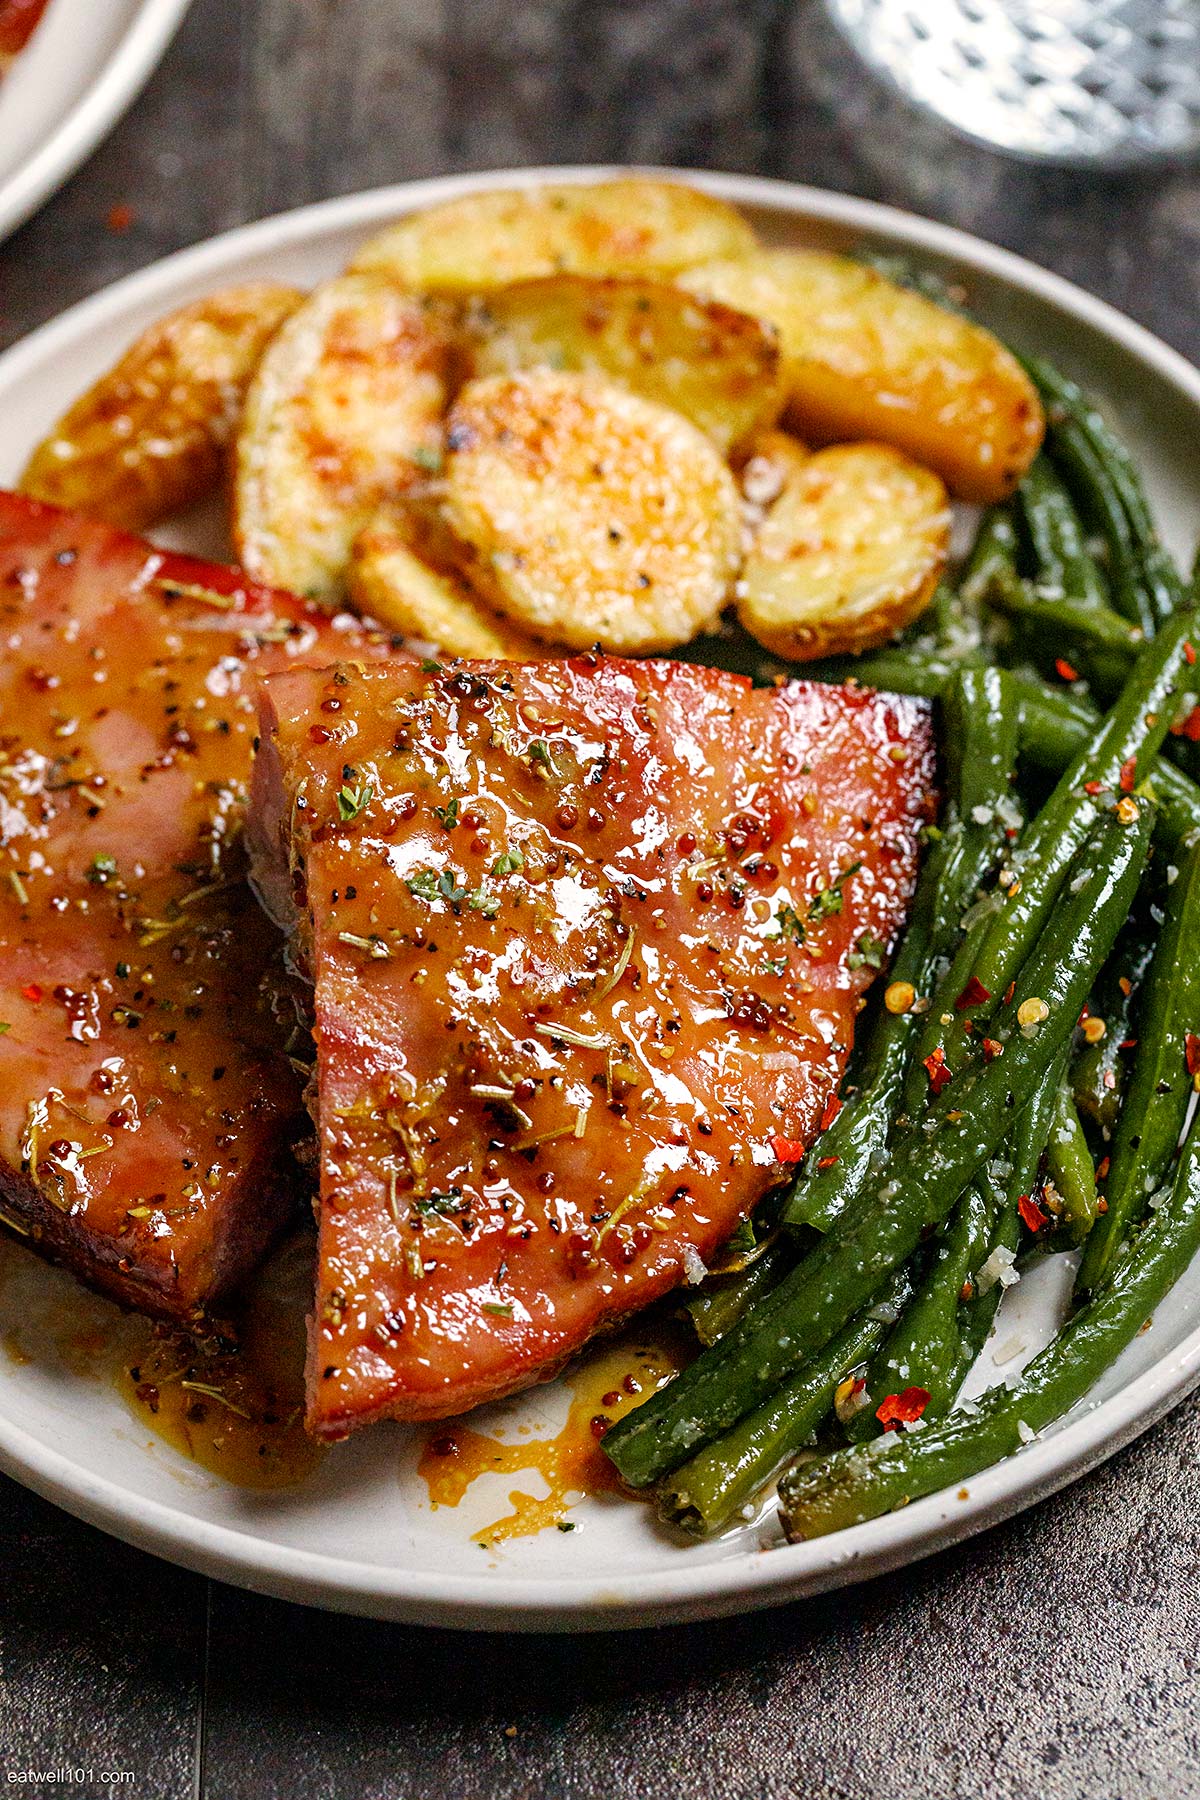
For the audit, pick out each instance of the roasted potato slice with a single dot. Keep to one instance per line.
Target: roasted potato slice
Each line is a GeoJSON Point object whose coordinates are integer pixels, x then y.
{"type": "Point", "coordinates": [589, 514]}
{"type": "Point", "coordinates": [633, 226]}
{"type": "Point", "coordinates": [850, 551]}
{"type": "Point", "coordinates": [151, 435]}
{"type": "Point", "coordinates": [717, 366]}
{"type": "Point", "coordinates": [343, 415]}
{"type": "Point", "coordinates": [389, 582]}
{"type": "Point", "coordinates": [864, 358]}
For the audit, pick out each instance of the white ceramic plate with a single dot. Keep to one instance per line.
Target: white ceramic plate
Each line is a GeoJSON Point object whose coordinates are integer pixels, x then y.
{"type": "Point", "coordinates": [79, 72]}
{"type": "Point", "coordinates": [360, 1535]}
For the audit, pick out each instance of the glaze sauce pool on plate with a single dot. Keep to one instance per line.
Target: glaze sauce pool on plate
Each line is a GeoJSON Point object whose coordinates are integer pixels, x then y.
{"type": "Point", "coordinates": [611, 1379]}
{"type": "Point", "coordinates": [235, 1404]}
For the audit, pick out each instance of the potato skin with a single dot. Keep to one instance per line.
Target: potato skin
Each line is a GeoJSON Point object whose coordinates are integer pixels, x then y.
{"type": "Point", "coordinates": [719, 367]}
{"type": "Point", "coordinates": [632, 226]}
{"type": "Point", "coordinates": [864, 358]}
{"type": "Point", "coordinates": [343, 415]}
{"type": "Point", "coordinates": [151, 436]}
{"type": "Point", "coordinates": [588, 514]}
{"type": "Point", "coordinates": [849, 552]}
{"type": "Point", "coordinates": [389, 582]}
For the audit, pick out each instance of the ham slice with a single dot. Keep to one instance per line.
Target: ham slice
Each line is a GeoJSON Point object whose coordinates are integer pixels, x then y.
{"type": "Point", "coordinates": [146, 1098]}
{"type": "Point", "coordinates": [587, 941]}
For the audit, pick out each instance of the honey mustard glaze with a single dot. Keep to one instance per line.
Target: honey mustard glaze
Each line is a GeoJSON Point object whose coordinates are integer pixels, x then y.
{"type": "Point", "coordinates": [615, 1376]}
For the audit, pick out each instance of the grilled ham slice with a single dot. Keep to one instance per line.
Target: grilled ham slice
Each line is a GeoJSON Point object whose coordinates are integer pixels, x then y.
{"type": "Point", "coordinates": [146, 1101]}
{"type": "Point", "coordinates": [588, 938]}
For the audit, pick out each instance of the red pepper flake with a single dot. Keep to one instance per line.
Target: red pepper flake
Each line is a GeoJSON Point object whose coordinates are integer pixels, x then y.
{"type": "Point", "coordinates": [974, 994]}
{"type": "Point", "coordinates": [827, 1162]}
{"type": "Point", "coordinates": [787, 1150]}
{"type": "Point", "coordinates": [1127, 1044]}
{"type": "Point", "coordinates": [935, 1067]}
{"type": "Point", "coordinates": [1191, 1052]}
{"type": "Point", "coordinates": [1189, 653]}
{"type": "Point", "coordinates": [1189, 728]}
{"type": "Point", "coordinates": [1103, 1168]}
{"type": "Point", "coordinates": [991, 1049]}
{"type": "Point", "coordinates": [833, 1107]}
{"type": "Point", "coordinates": [32, 991]}
{"type": "Point", "coordinates": [902, 1409]}
{"type": "Point", "coordinates": [1093, 788]}
{"type": "Point", "coordinates": [120, 218]}
{"type": "Point", "coordinates": [1065, 670]}
{"type": "Point", "coordinates": [1128, 775]}
{"type": "Point", "coordinates": [1009, 991]}
{"type": "Point", "coordinates": [1032, 1216]}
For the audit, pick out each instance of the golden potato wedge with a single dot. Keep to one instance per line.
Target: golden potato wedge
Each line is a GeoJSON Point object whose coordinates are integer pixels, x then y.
{"type": "Point", "coordinates": [151, 435]}
{"type": "Point", "coordinates": [849, 552]}
{"type": "Point", "coordinates": [343, 415]}
{"type": "Point", "coordinates": [864, 358]}
{"type": "Point", "coordinates": [389, 582]}
{"type": "Point", "coordinates": [634, 226]}
{"type": "Point", "coordinates": [589, 514]}
{"type": "Point", "coordinates": [720, 368]}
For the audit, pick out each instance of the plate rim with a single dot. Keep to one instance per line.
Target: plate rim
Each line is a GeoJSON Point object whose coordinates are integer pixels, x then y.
{"type": "Point", "coordinates": [696, 1590]}
{"type": "Point", "coordinates": [105, 100]}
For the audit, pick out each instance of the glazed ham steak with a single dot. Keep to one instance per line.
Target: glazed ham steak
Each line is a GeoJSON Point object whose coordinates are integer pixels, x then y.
{"type": "Point", "coordinates": [146, 1100]}
{"type": "Point", "coordinates": [587, 938]}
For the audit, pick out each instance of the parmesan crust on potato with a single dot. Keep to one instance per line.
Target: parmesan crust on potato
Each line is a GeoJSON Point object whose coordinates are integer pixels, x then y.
{"type": "Point", "coordinates": [588, 514]}
{"type": "Point", "coordinates": [151, 436]}
{"type": "Point", "coordinates": [849, 551]}
{"type": "Point", "coordinates": [343, 416]}
{"type": "Point", "coordinates": [633, 226]}
{"type": "Point", "coordinates": [717, 366]}
{"type": "Point", "coordinates": [389, 582]}
{"type": "Point", "coordinates": [864, 358]}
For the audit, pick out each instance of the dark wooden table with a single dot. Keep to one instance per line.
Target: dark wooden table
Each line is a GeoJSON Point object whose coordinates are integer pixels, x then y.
{"type": "Point", "coordinates": [1055, 1658]}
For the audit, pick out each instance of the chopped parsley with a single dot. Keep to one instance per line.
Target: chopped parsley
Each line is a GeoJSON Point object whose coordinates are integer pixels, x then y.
{"type": "Point", "coordinates": [428, 885]}
{"type": "Point", "coordinates": [787, 923]}
{"type": "Point", "coordinates": [4, 1026]}
{"type": "Point", "coordinates": [430, 667]}
{"type": "Point", "coordinates": [539, 752]}
{"type": "Point", "coordinates": [480, 901]}
{"type": "Point", "coordinates": [448, 814]}
{"type": "Point", "coordinates": [827, 901]}
{"type": "Point", "coordinates": [102, 869]}
{"type": "Point", "coordinates": [444, 1201]}
{"type": "Point", "coordinates": [352, 802]}
{"type": "Point", "coordinates": [508, 863]}
{"type": "Point", "coordinates": [429, 458]}
{"type": "Point", "coordinates": [500, 1309]}
{"type": "Point", "coordinates": [869, 950]}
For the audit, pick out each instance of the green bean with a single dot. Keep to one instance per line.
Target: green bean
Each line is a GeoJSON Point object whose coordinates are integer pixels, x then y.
{"type": "Point", "coordinates": [1066, 568]}
{"type": "Point", "coordinates": [719, 1304]}
{"type": "Point", "coordinates": [1024, 1151]}
{"type": "Point", "coordinates": [929, 1169]}
{"type": "Point", "coordinates": [1060, 626]}
{"type": "Point", "coordinates": [714, 1486]}
{"type": "Point", "coordinates": [1127, 742]}
{"type": "Point", "coordinates": [1098, 1071]}
{"type": "Point", "coordinates": [862, 1483]}
{"type": "Point", "coordinates": [1071, 1168]}
{"type": "Point", "coordinates": [994, 551]}
{"type": "Point", "coordinates": [1146, 584]}
{"type": "Point", "coordinates": [981, 738]}
{"type": "Point", "coordinates": [1160, 1084]}
{"type": "Point", "coordinates": [991, 953]}
{"type": "Point", "coordinates": [925, 1347]}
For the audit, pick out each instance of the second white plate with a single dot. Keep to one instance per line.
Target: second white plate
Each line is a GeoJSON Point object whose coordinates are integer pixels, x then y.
{"type": "Point", "coordinates": [79, 72]}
